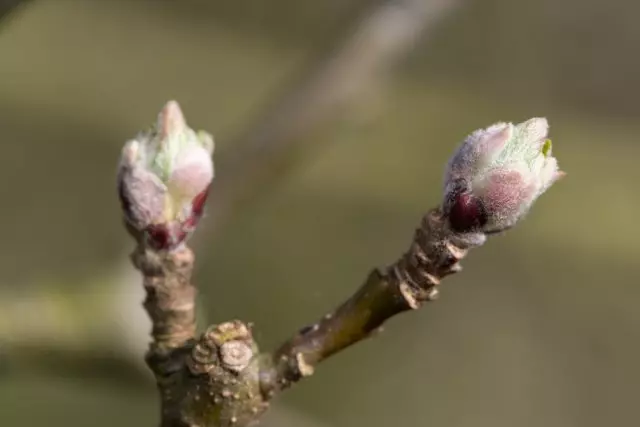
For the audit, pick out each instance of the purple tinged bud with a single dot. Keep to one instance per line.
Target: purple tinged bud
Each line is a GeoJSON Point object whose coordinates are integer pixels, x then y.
{"type": "Point", "coordinates": [496, 175]}
{"type": "Point", "coordinates": [164, 178]}
{"type": "Point", "coordinates": [467, 213]}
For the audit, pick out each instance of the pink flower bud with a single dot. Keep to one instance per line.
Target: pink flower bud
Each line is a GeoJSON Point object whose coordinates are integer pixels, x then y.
{"type": "Point", "coordinates": [164, 178]}
{"type": "Point", "coordinates": [496, 175]}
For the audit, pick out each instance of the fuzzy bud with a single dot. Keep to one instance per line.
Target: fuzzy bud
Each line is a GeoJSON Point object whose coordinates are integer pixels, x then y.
{"type": "Point", "coordinates": [163, 179]}
{"type": "Point", "coordinates": [496, 174]}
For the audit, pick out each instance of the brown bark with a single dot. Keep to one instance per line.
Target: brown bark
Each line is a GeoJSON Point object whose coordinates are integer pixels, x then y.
{"type": "Point", "coordinates": [220, 379]}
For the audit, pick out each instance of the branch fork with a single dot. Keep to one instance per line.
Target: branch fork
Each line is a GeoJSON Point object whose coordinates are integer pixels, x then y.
{"type": "Point", "coordinates": [221, 378]}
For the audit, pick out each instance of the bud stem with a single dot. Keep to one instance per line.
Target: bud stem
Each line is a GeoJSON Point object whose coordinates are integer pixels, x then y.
{"type": "Point", "coordinates": [414, 279]}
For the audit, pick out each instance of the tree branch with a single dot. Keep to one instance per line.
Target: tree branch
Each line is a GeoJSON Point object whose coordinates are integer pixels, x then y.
{"type": "Point", "coordinates": [405, 285]}
{"type": "Point", "coordinates": [170, 300]}
{"type": "Point", "coordinates": [222, 380]}
{"type": "Point", "coordinates": [209, 382]}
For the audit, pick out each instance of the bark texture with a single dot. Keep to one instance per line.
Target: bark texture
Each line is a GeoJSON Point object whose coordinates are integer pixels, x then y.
{"type": "Point", "coordinates": [221, 379]}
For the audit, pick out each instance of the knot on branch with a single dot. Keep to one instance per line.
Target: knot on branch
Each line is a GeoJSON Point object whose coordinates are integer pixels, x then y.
{"type": "Point", "coordinates": [224, 378]}
{"type": "Point", "coordinates": [235, 355]}
{"type": "Point", "coordinates": [435, 252]}
{"type": "Point", "coordinates": [228, 346]}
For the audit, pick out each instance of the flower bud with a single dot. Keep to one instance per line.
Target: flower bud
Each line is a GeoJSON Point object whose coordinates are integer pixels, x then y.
{"type": "Point", "coordinates": [496, 175]}
{"type": "Point", "coordinates": [163, 179]}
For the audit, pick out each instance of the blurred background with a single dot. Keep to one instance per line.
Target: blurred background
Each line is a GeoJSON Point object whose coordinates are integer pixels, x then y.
{"type": "Point", "coordinates": [333, 121]}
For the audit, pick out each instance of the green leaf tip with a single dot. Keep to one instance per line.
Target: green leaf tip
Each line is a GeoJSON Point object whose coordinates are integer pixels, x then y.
{"type": "Point", "coordinates": [546, 148]}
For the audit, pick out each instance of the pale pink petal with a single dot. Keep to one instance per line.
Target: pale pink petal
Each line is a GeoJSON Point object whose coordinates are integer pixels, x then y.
{"type": "Point", "coordinates": [192, 174]}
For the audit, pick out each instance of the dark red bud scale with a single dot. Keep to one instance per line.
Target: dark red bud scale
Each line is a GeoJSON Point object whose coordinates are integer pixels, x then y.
{"type": "Point", "coordinates": [165, 236]}
{"type": "Point", "coordinates": [467, 213]}
{"type": "Point", "coordinates": [197, 209]}
{"type": "Point", "coordinates": [158, 236]}
{"type": "Point", "coordinates": [197, 206]}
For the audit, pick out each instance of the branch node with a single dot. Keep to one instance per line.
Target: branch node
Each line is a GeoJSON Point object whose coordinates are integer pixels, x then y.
{"type": "Point", "coordinates": [409, 293]}
{"type": "Point", "coordinates": [229, 346]}
{"type": "Point", "coordinates": [235, 355]}
{"type": "Point", "coordinates": [434, 253]}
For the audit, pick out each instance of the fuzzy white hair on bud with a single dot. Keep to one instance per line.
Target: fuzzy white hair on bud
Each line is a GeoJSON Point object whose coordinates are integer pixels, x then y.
{"type": "Point", "coordinates": [164, 177]}
{"type": "Point", "coordinates": [497, 173]}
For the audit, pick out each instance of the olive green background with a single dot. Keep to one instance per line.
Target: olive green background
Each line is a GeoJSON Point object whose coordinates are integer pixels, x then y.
{"type": "Point", "coordinates": [541, 328]}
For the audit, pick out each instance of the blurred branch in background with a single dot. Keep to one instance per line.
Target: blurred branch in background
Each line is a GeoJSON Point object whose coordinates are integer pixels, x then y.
{"type": "Point", "coordinates": [9, 6]}
{"type": "Point", "coordinates": [380, 37]}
